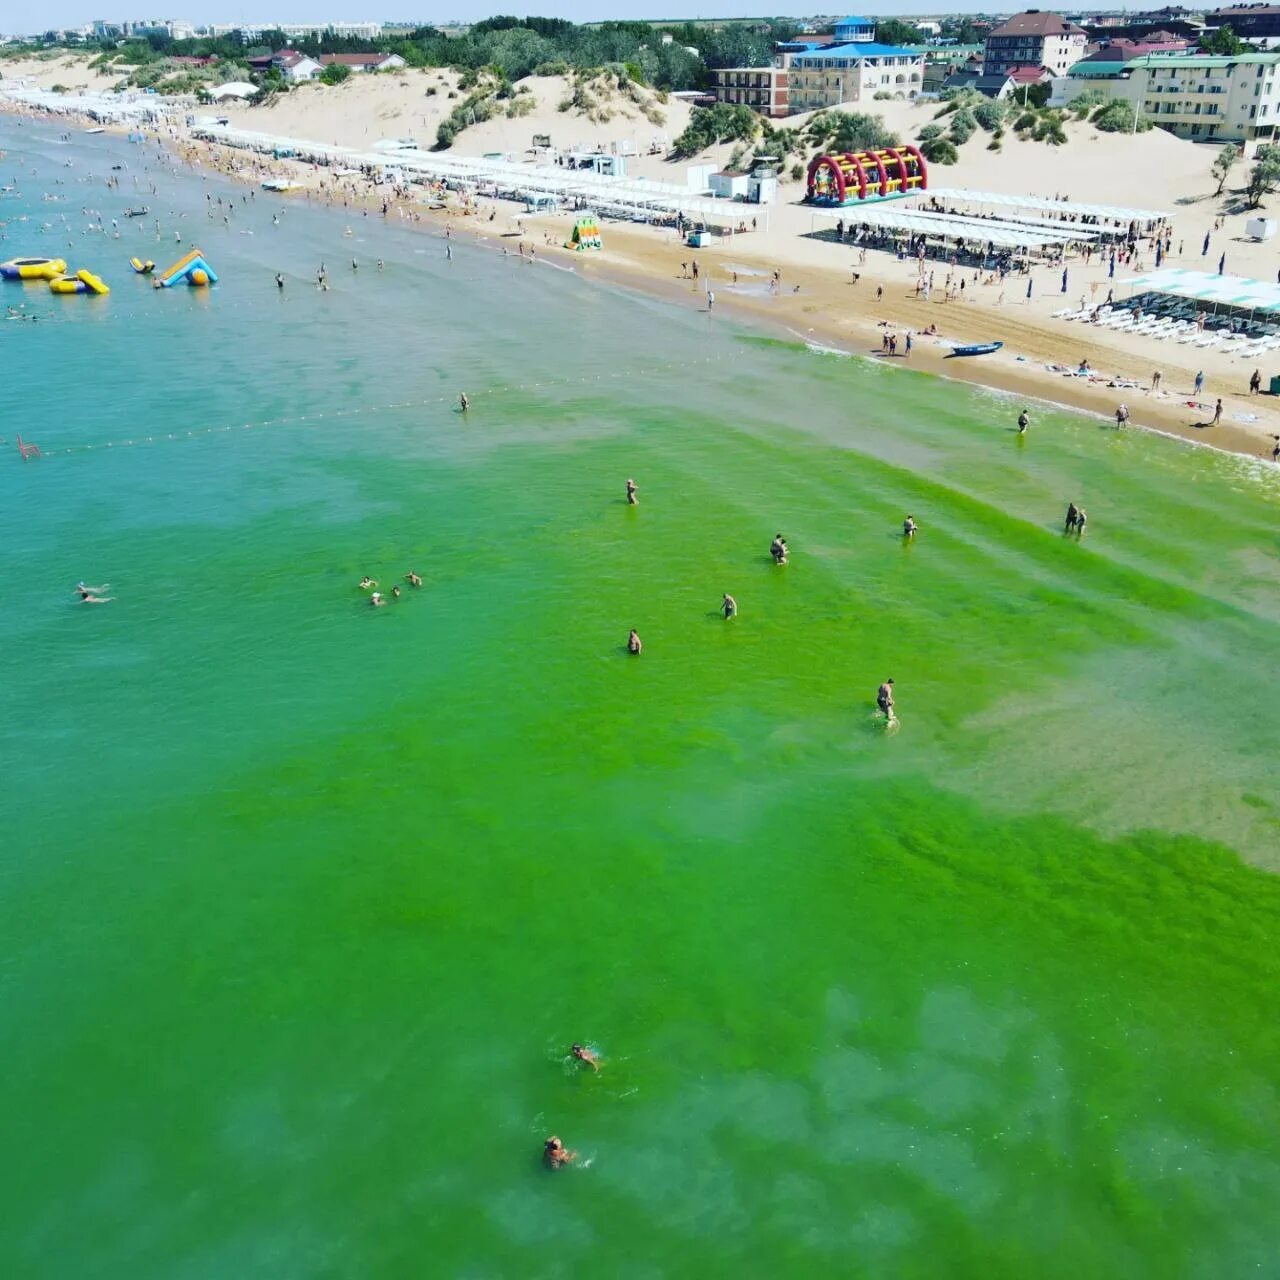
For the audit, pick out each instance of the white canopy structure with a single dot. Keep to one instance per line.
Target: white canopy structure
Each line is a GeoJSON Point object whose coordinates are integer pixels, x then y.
{"type": "Point", "coordinates": [233, 89]}
{"type": "Point", "coordinates": [896, 217]}
{"type": "Point", "coordinates": [628, 197]}
{"type": "Point", "coordinates": [1065, 210]}
{"type": "Point", "coordinates": [122, 107]}
{"type": "Point", "coordinates": [1224, 291]}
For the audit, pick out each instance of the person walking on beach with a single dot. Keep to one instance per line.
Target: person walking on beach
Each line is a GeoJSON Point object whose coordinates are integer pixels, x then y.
{"type": "Point", "coordinates": [1199, 382]}
{"type": "Point", "coordinates": [1081, 520]}
{"type": "Point", "coordinates": [632, 499]}
{"type": "Point", "coordinates": [730, 606]}
{"type": "Point", "coordinates": [711, 300]}
{"type": "Point", "coordinates": [1122, 414]}
{"type": "Point", "coordinates": [1217, 413]}
{"type": "Point", "coordinates": [633, 643]}
{"type": "Point", "coordinates": [907, 346]}
{"type": "Point", "coordinates": [1024, 420]}
{"type": "Point", "coordinates": [1255, 382]}
{"type": "Point", "coordinates": [1072, 512]}
{"type": "Point", "coordinates": [1156, 379]}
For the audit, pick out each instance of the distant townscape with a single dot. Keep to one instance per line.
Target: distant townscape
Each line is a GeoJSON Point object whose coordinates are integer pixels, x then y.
{"type": "Point", "coordinates": [1204, 75]}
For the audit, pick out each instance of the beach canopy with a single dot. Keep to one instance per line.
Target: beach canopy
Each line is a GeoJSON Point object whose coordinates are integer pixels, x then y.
{"type": "Point", "coordinates": [632, 197]}
{"type": "Point", "coordinates": [1042, 204]}
{"type": "Point", "coordinates": [1225, 291]}
{"type": "Point", "coordinates": [234, 89]}
{"type": "Point", "coordinates": [898, 217]}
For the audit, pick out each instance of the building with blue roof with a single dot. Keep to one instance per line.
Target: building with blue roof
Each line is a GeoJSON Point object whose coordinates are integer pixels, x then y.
{"type": "Point", "coordinates": [853, 72]}
{"type": "Point", "coordinates": [855, 30]}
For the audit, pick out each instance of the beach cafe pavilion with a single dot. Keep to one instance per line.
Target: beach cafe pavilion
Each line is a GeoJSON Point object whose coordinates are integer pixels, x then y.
{"type": "Point", "coordinates": [949, 229]}
{"type": "Point", "coordinates": [1106, 219]}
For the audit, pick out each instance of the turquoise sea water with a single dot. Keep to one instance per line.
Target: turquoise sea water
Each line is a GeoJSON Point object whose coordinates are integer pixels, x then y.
{"type": "Point", "coordinates": [303, 902]}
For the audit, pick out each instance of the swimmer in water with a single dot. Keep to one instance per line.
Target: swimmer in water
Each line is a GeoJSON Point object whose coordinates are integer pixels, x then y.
{"type": "Point", "coordinates": [633, 643]}
{"type": "Point", "coordinates": [279, 281]}
{"type": "Point", "coordinates": [778, 549]}
{"type": "Point", "coordinates": [1023, 420]}
{"type": "Point", "coordinates": [377, 600]}
{"type": "Point", "coordinates": [379, 264]}
{"type": "Point", "coordinates": [730, 606]}
{"type": "Point", "coordinates": [909, 527]}
{"type": "Point", "coordinates": [395, 591]}
{"type": "Point", "coordinates": [463, 403]}
{"type": "Point", "coordinates": [87, 596]}
{"type": "Point", "coordinates": [366, 582]}
{"type": "Point", "coordinates": [884, 699]}
{"type": "Point", "coordinates": [412, 579]}
{"type": "Point", "coordinates": [632, 499]}
{"type": "Point", "coordinates": [583, 1054]}
{"type": "Point", "coordinates": [555, 1153]}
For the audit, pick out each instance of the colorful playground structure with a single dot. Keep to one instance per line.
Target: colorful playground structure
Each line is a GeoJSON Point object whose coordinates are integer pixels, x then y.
{"type": "Point", "coordinates": [192, 268]}
{"type": "Point", "coordinates": [81, 282]}
{"type": "Point", "coordinates": [33, 268]}
{"type": "Point", "coordinates": [141, 267]}
{"type": "Point", "coordinates": [586, 234]}
{"type": "Point", "coordinates": [883, 174]}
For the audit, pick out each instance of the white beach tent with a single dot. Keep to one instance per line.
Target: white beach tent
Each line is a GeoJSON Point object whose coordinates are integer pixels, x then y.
{"type": "Point", "coordinates": [233, 89]}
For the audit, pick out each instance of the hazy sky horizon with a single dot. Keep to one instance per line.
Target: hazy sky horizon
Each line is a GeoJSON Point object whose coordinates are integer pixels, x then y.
{"type": "Point", "coordinates": [27, 16]}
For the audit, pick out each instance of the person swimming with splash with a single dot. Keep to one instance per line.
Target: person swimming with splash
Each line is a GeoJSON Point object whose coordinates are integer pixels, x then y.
{"type": "Point", "coordinates": [556, 1154]}
{"type": "Point", "coordinates": [589, 1056]}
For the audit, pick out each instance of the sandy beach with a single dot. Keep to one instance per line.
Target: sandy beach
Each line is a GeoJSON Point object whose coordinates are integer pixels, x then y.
{"type": "Point", "coordinates": [817, 299]}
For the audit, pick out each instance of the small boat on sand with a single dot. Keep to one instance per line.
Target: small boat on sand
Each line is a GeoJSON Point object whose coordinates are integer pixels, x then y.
{"type": "Point", "coordinates": [976, 349]}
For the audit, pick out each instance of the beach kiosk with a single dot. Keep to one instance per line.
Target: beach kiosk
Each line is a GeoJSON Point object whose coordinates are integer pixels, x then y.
{"type": "Point", "coordinates": [585, 234]}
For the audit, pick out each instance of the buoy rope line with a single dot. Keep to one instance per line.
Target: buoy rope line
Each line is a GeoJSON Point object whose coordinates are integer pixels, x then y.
{"type": "Point", "coordinates": [195, 433]}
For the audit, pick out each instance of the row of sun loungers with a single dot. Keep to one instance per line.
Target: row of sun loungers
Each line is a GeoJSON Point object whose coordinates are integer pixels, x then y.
{"type": "Point", "coordinates": [1176, 327]}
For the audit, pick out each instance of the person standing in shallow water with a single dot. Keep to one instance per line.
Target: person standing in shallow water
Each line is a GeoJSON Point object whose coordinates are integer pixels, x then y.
{"type": "Point", "coordinates": [884, 698]}
{"type": "Point", "coordinates": [633, 643]}
{"type": "Point", "coordinates": [1072, 513]}
{"type": "Point", "coordinates": [632, 499]}
{"type": "Point", "coordinates": [778, 549]}
{"type": "Point", "coordinates": [1024, 420]}
{"type": "Point", "coordinates": [730, 606]}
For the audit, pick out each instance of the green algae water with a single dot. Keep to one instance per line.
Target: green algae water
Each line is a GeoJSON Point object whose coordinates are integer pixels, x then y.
{"type": "Point", "coordinates": [303, 901]}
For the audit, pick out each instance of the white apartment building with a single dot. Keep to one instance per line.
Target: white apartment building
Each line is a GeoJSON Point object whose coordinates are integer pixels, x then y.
{"type": "Point", "coordinates": [297, 31]}
{"type": "Point", "coordinates": [1204, 98]}
{"type": "Point", "coordinates": [852, 73]}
